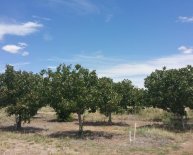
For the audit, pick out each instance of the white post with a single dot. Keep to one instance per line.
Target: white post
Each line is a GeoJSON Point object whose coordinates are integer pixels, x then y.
{"type": "Point", "coordinates": [134, 132]}
{"type": "Point", "coordinates": [130, 140]}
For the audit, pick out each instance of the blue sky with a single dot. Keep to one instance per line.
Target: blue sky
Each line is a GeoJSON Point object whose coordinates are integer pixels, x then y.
{"type": "Point", "coordinates": [121, 39]}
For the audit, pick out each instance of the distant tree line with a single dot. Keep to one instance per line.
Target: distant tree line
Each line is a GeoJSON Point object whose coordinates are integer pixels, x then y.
{"type": "Point", "coordinates": [76, 90]}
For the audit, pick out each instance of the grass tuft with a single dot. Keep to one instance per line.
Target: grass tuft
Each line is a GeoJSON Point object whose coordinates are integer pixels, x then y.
{"type": "Point", "coordinates": [152, 114]}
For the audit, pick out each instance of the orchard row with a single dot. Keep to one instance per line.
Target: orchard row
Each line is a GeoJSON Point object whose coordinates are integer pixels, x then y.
{"type": "Point", "coordinates": [76, 90]}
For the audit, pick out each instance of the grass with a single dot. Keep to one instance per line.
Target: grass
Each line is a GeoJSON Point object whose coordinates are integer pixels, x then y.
{"type": "Point", "coordinates": [158, 133]}
{"type": "Point", "coordinates": [4, 118]}
{"type": "Point", "coordinates": [189, 113]}
{"type": "Point", "coordinates": [153, 114]}
{"type": "Point", "coordinates": [186, 153]}
{"type": "Point", "coordinates": [45, 136]}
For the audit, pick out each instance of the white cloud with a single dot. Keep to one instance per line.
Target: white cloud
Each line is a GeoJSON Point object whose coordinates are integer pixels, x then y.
{"type": "Point", "coordinates": [79, 6]}
{"type": "Point", "coordinates": [185, 50]}
{"type": "Point", "coordinates": [16, 49]}
{"type": "Point", "coordinates": [18, 29]}
{"type": "Point", "coordinates": [52, 67]}
{"type": "Point", "coordinates": [95, 60]}
{"type": "Point", "coordinates": [12, 48]}
{"type": "Point", "coordinates": [125, 70]}
{"type": "Point", "coordinates": [41, 18]}
{"type": "Point", "coordinates": [120, 69]}
{"type": "Point", "coordinates": [19, 64]}
{"type": "Point", "coordinates": [185, 19]}
{"type": "Point", "coordinates": [22, 44]}
{"type": "Point", "coordinates": [25, 53]}
{"type": "Point", "coordinates": [137, 72]}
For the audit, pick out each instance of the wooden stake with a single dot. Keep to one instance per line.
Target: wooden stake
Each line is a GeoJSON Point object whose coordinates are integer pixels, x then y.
{"type": "Point", "coordinates": [130, 139]}
{"type": "Point", "coordinates": [134, 132]}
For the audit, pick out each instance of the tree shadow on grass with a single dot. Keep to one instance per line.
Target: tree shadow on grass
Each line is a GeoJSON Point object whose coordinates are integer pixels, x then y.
{"type": "Point", "coordinates": [103, 123]}
{"type": "Point", "coordinates": [56, 120]}
{"type": "Point", "coordinates": [22, 130]}
{"type": "Point", "coordinates": [87, 134]}
{"type": "Point", "coordinates": [170, 128]}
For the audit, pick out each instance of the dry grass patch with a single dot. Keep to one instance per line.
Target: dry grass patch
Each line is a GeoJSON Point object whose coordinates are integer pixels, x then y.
{"type": "Point", "coordinates": [44, 135]}
{"type": "Point", "coordinates": [152, 114]}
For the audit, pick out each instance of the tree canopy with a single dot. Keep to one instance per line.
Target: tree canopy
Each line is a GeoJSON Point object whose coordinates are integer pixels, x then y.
{"type": "Point", "coordinates": [20, 94]}
{"type": "Point", "coordinates": [109, 99]}
{"type": "Point", "coordinates": [171, 90]}
{"type": "Point", "coordinates": [75, 89]}
{"type": "Point", "coordinates": [71, 90]}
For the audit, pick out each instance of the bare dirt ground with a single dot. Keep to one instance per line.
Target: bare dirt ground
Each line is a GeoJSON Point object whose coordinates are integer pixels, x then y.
{"type": "Point", "coordinates": [45, 136]}
{"type": "Point", "coordinates": [185, 148]}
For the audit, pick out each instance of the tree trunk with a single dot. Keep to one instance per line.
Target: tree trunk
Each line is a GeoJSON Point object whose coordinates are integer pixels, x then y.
{"type": "Point", "coordinates": [182, 121]}
{"type": "Point", "coordinates": [80, 124]}
{"type": "Point", "coordinates": [18, 122]}
{"type": "Point", "coordinates": [134, 110]}
{"type": "Point", "coordinates": [110, 119]}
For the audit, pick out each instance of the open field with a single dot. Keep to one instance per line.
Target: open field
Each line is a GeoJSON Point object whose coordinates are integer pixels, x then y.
{"type": "Point", "coordinates": [44, 135]}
